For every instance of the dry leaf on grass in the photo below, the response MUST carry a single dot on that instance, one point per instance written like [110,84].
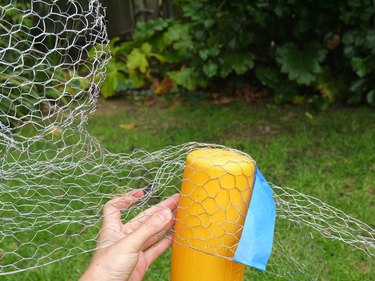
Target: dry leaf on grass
[129,126]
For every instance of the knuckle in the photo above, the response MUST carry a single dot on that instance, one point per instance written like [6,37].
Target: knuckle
[153,222]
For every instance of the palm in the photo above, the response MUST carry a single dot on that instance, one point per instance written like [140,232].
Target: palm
[140,268]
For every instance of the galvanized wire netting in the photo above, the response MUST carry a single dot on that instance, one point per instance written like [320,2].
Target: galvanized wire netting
[55,177]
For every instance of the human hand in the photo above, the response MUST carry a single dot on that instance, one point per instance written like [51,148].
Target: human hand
[125,251]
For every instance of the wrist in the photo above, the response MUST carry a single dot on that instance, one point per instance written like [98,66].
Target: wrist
[91,275]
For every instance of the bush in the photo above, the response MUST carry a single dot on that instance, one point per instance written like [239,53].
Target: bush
[315,51]
[20,93]
[36,77]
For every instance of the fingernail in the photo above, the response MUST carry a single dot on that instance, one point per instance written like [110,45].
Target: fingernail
[165,214]
[137,193]
[131,198]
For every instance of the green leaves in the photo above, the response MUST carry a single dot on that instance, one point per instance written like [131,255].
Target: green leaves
[137,60]
[204,54]
[240,63]
[146,30]
[316,56]
[131,72]
[370,98]
[360,66]
[301,64]
[185,78]
[115,79]
[268,76]
[210,69]
[178,35]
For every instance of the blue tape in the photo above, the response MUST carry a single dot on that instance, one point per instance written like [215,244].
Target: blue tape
[255,245]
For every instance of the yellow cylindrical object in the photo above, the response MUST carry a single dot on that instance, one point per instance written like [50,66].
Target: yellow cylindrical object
[215,196]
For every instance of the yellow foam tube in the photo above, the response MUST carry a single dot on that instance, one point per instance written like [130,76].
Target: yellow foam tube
[215,195]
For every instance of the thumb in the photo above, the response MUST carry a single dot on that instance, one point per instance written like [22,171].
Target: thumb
[152,226]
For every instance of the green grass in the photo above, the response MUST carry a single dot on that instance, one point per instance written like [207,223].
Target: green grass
[330,155]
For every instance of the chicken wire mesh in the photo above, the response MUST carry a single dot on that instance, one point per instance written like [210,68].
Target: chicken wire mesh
[55,177]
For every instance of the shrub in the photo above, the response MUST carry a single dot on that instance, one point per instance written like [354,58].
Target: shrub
[36,77]
[20,92]
[318,51]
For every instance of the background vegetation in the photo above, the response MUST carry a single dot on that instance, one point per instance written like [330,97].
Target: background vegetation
[34,75]
[311,51]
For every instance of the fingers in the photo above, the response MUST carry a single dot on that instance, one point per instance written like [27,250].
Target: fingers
[112,214]
[158,236]
[170,203]
[149,257]
[151,227]
[112,209]
[113,230]
[156,250]
[136,222]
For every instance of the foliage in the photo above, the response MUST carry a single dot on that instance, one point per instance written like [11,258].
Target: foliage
[301,65]
[128,72]
[23,70]
[315,51]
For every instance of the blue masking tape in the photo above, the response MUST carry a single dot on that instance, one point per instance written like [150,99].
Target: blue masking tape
[255,246]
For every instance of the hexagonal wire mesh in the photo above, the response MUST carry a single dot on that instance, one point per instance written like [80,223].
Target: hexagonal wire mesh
[55,177]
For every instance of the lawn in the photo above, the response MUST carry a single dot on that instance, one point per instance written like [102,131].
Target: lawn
[330,155]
